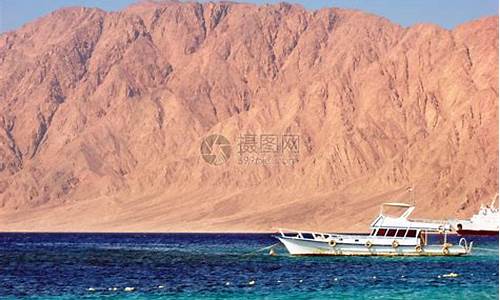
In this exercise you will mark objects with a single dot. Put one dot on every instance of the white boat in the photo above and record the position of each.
(390, 236)
(485, 222)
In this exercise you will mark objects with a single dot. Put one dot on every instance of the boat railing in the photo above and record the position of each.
(434, 221)
(302, 233)
(463, 243)
(314, 235)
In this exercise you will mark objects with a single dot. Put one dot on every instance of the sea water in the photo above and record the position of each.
(227, 266)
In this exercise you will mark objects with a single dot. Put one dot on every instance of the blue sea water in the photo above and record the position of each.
(226, 266)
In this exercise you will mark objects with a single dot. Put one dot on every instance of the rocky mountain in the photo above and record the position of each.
(103, 114)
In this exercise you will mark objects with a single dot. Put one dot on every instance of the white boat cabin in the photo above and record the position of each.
(400, 227)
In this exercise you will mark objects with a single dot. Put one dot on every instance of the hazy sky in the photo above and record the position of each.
(447, 13)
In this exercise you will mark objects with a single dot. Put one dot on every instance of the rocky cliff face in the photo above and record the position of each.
(102, 116)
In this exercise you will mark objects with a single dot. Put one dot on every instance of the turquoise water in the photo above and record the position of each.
(226, 266)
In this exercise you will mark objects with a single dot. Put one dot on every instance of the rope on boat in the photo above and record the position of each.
(262, 249)
(484, 249)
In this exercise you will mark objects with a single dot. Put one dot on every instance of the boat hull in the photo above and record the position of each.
(478, 232)
(296, 246)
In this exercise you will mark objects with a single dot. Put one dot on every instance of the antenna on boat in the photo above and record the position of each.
(495, 198)
(410, 190)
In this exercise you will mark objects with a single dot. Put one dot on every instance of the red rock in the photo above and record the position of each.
(102, 116)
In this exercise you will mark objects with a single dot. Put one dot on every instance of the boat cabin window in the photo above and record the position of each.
(395, 232)
(391, 232)
(411, 233)
(401, 233)
(307, 236)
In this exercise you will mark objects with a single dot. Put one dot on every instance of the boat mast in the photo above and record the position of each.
(492, 205)
(410, 190)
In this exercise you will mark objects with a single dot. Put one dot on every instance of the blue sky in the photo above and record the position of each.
(447, 13)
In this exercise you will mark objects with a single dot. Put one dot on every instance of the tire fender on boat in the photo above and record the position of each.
(446, 251)
(332, 243)
(418, 248)
(395, 244)
(368, 244)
